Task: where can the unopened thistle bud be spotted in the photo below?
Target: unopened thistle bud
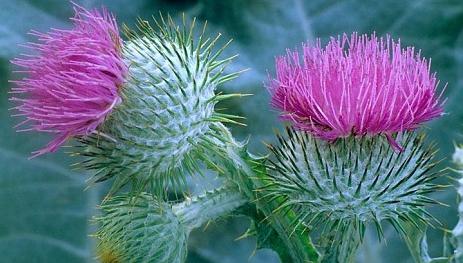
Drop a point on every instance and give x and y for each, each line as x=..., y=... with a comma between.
x=144, y=229
x=140, y=229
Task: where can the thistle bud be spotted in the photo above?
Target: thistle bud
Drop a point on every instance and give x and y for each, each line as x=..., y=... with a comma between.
x=144, y=229
x=140, y=229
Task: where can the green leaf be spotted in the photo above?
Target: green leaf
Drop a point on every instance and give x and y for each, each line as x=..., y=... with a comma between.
x=44, y=212
x=418, y=245
x=277, y=231
x=266, y=236
x=417, y=242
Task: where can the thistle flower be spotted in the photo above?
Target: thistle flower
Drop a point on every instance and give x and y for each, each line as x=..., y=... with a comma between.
x=167, y=125
x=357, y=86
x=73, y=80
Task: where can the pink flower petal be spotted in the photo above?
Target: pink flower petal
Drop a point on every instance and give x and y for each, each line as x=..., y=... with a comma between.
x=355, y=86
x=72, y=83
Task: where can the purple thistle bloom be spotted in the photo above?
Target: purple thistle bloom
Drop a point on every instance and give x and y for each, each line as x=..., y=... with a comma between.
x=355, y=86
x=73, y=79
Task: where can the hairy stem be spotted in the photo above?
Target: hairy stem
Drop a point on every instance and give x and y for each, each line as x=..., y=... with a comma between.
x=211, y=205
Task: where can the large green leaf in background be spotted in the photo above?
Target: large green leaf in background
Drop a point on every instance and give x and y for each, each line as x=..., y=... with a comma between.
x=44, y=210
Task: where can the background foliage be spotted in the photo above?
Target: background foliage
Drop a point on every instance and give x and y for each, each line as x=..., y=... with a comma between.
x=45, y=211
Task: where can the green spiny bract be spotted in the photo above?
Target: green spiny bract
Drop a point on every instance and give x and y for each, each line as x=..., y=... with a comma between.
x=166, y=122
x=352, y=181
x=140, y=229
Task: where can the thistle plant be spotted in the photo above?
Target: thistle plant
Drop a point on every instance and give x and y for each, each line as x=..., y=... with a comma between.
x=139, y=109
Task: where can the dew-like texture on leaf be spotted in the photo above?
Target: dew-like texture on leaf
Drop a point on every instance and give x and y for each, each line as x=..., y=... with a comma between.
x=44, y=211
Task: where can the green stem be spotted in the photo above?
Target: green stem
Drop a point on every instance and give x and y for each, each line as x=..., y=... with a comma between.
x=211, y=205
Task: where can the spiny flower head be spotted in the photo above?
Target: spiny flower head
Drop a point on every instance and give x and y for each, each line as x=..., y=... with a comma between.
x=353, y=180
x=140, y=229
x=73, y=80
x=167, y=125
x=355, y=86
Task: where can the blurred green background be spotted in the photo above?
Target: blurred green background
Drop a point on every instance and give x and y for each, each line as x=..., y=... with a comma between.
x=44, y=209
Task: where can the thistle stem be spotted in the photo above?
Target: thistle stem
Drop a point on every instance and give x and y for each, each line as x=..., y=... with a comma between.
x=211, y=205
